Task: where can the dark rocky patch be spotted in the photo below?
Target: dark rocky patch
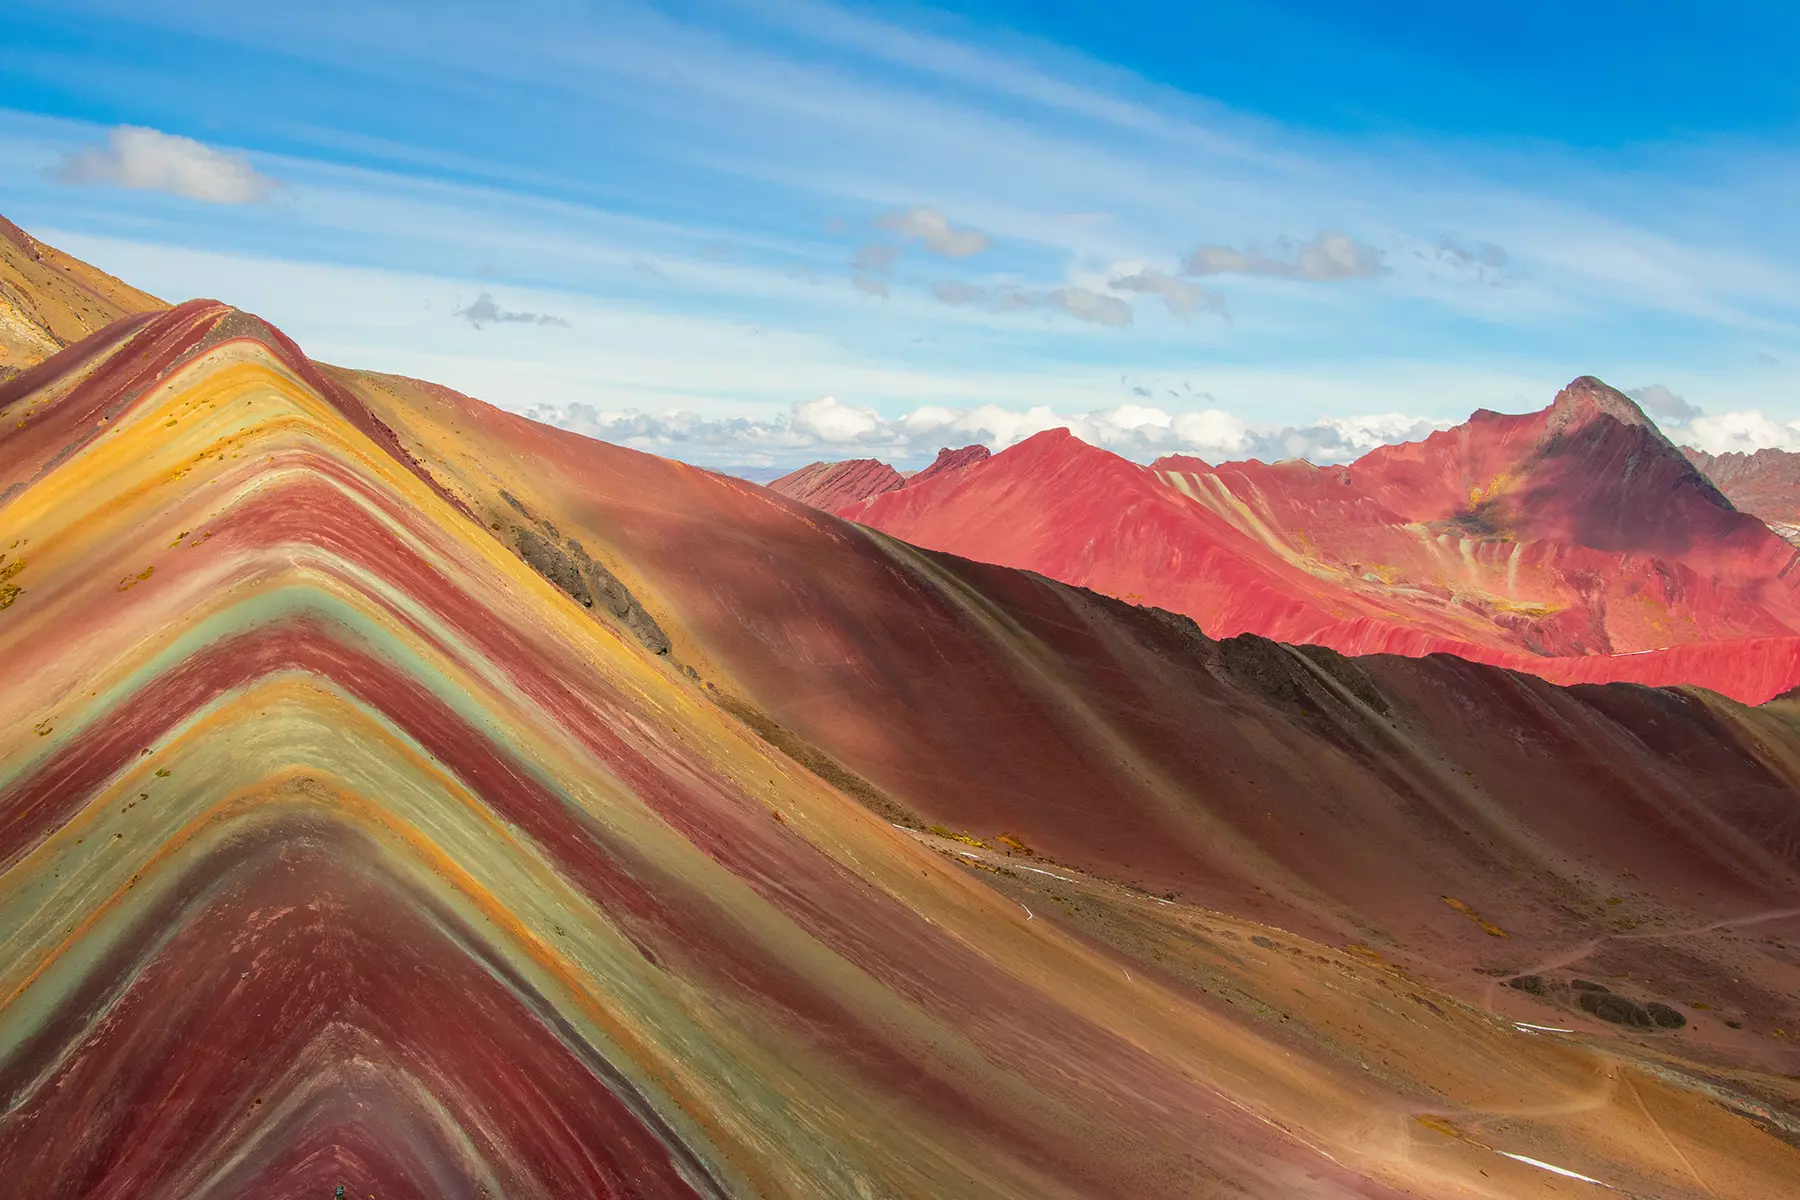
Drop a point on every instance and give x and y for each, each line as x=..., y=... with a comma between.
x=1616, y=1009
x=585, y=581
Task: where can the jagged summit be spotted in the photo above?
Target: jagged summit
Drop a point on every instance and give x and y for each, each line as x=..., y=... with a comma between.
x=1586, y=398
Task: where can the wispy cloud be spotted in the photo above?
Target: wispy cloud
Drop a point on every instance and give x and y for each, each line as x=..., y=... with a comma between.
x=1183, y=299
x=955, y=291
x=1326, y=258
x=149, y=160
x=877, y=256
x=976, y=149
x=484, y=311
x=934, y=231
x=1483, y=261
x=1085, y=304
x=869, y=287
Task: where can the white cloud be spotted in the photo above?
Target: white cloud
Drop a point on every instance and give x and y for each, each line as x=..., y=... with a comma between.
x=834, y=423
x=1341, y=439
x=1182, y=299
x=1328, y=257
x=829, y=428
x=1720, y=433
x=1741, y=430
x=933, y=229
x=149, y=160
x=869, y=286
x=1088, y=305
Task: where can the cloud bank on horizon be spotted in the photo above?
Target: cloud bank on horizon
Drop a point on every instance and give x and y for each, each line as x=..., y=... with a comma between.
x=830, y=429
x=695, y=228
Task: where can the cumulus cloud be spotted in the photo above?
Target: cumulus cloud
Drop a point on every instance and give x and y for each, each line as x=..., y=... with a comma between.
x=876, y=256
x=834, y=423
x=869, y=287
x=1085, y=304
x=1663, y=404
x=829, y=428
x=149, y=160
x=1745, y=431
x=1328, y=257
x=484, y=311
x=1182, y=298
x=934, y=231
x=1341, y=439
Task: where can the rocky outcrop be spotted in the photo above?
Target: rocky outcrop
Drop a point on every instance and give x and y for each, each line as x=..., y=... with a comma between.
x=832, y=485
x=1764, y=483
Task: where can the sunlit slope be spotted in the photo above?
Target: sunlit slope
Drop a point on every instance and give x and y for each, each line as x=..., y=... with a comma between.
x=49, y=299
x=399, y=796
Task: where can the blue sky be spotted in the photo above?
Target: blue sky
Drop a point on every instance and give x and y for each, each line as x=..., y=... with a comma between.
x=763, y=233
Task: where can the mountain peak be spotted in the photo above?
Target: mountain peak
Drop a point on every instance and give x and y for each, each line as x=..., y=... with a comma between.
x=949, y=461
x=1587, y=398
x=832, y=485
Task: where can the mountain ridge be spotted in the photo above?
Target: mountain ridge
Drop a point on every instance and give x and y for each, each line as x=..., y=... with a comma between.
x=1538, y=541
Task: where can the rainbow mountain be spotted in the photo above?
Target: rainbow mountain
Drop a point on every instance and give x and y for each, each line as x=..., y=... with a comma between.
x=400, y=796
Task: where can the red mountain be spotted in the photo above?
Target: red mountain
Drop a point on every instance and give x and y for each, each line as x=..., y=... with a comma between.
x=1765, y=484
x=835, y=485
x=832, y=485
x=1576, y=542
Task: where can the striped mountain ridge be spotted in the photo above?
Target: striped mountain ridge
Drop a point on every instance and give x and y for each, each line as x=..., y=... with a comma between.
x=49, y=299
x=399, y=795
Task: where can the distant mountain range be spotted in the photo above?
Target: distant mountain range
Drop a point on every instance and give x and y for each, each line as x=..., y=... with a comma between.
x=1576, y=542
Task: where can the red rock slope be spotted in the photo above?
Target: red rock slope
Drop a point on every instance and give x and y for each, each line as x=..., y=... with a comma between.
x=1765, y=484
x=834, y=485
x=1575, y=542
